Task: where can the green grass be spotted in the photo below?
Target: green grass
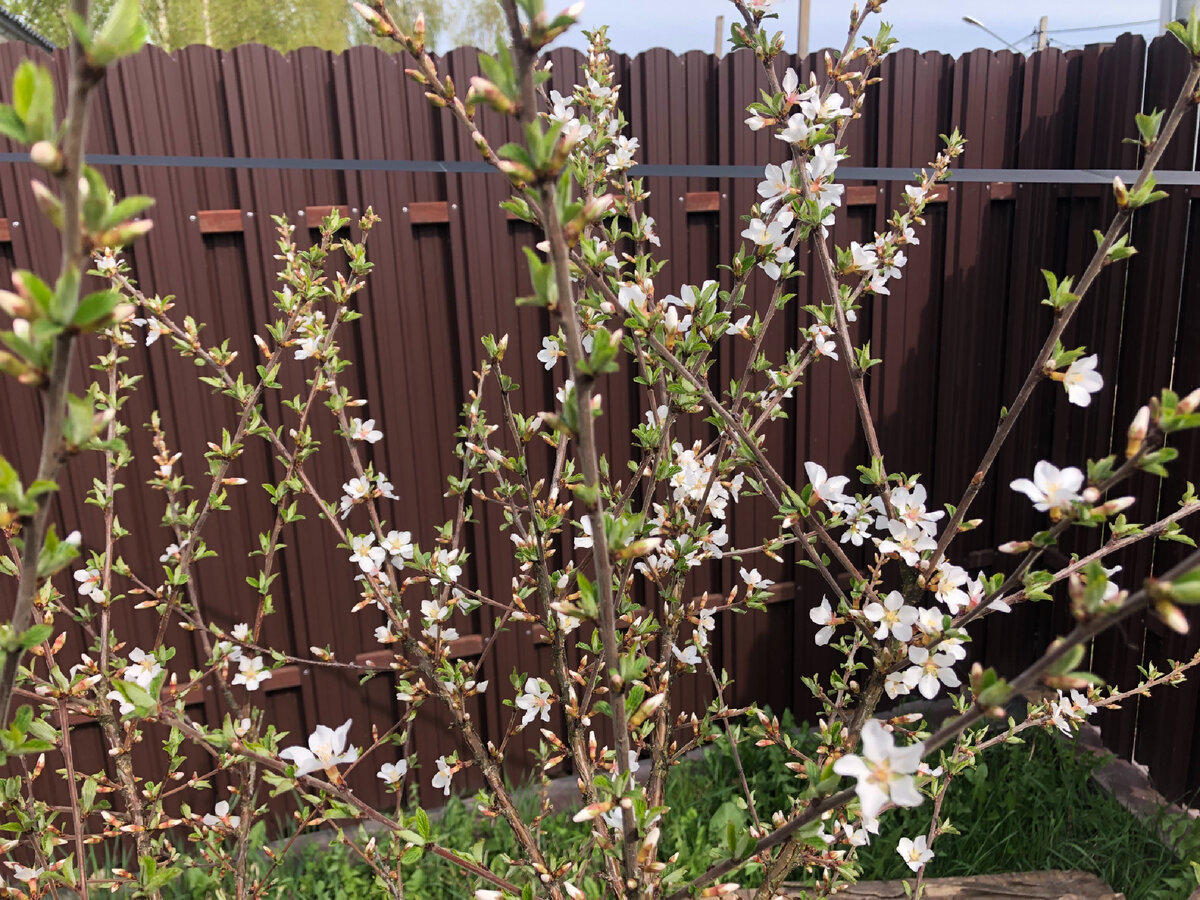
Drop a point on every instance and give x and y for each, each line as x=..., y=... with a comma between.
x=1027, y=807
x=1034, y=806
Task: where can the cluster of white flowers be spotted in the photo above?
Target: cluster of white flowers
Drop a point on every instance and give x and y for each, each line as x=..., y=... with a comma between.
x=154, y=328
x=880, y=261
x=365, y=487
x=433, y=614
x=690, y=483
x=909, y=533
x=310, y=329
x=396, y=547
x=770, y=241
x=1068, y=711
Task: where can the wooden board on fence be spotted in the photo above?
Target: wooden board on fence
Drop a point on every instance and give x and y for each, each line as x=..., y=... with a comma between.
x=1029, y=885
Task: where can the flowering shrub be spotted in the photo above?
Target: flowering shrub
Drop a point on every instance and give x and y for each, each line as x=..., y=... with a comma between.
x=899, y=621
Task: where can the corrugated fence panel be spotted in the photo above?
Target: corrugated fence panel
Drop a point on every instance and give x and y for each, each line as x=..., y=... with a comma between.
x=958, y=333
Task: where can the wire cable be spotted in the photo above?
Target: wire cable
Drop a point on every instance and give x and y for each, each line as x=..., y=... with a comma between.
x=1102, y=27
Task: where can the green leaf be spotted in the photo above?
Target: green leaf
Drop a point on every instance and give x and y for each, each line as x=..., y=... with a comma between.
x=88, y=795
x=127, y=209
x=78, y=426
x=11, y=125
x=122, y=34
x=35, y=636
x=144, y=703
x=95, y=310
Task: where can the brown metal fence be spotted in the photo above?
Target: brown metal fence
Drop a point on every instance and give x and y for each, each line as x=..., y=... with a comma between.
x=957, y=334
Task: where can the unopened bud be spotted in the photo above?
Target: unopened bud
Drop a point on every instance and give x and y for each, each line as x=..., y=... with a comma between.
x=489, y=93
x=1112, y=507
x=1171, y=615
x=12, y=365
x=1120, y=191
x=48, y=203
x=646, y=710
x=1091, y=494
x=1189, y=403
x=15, y=306
x=1137, y=432
x=1013, y=547
x=45, y=155
x=125, y=234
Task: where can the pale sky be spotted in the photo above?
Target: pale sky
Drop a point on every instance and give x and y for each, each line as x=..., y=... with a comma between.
x=681, y=25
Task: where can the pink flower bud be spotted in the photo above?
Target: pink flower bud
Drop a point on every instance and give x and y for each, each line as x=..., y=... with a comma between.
x=1137, y=432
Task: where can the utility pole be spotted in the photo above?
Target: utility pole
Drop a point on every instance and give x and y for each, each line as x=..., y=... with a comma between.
x=1173, y=11
x=802, y=34
x=719, y=43
x=1043, y=25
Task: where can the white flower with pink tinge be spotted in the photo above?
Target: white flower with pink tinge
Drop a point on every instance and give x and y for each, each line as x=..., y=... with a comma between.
x=884, y=771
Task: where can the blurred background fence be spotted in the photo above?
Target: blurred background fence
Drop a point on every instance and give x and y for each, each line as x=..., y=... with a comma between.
x=224, y=140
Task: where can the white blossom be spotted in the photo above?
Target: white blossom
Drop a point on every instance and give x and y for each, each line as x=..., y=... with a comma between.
x=535, y=700
x=391, y=773
x=1082, y=380
x=89, y=583
x=366, y=554
x=622, y=156
x=825, y=488
x=326, y=750
x=754, y=581
x=823, y=615
x=550, y=352
x=914, y=853
x=143, y=670
x=909, y=507
x=908, y=541
x=928, y=669
x=1052, y=488
x=777, y=184
x=689, y=656
x=443, y=776
x=1068, y=710
x=399, y=546
x=797, y=131
x=884, y=771
x=124, y=706
x=948, y=587
x=220, y=816
x=893, y=616
x=364, y=431
x=251, y=673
